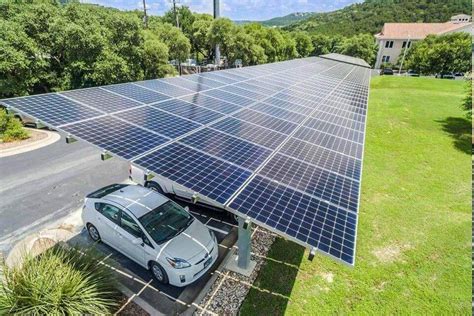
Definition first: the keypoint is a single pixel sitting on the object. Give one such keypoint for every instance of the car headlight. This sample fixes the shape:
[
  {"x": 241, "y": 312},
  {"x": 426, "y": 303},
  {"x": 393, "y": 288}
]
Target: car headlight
[{"x": 178, "y": 263}]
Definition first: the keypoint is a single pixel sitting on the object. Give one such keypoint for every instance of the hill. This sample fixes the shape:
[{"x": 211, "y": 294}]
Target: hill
[
  {"x": 369, "y": 16},
  {"x": 281, "y": 20}
]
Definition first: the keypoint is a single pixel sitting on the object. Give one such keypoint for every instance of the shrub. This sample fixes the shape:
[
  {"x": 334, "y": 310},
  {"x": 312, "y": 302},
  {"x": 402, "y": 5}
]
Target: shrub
[
  {"x": 11, "y": 128},
  {"x": 58, "y": 282}
]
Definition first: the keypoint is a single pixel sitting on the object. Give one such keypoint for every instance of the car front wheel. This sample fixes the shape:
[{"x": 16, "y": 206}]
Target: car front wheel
[
  {"x": 159, "y": 273},
  {"x": 93, "y": 232}
]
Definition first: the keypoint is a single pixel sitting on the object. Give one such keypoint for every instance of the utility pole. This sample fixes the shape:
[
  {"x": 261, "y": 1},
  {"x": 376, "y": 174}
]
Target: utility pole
[
  {"x": 217, "y": 51},
  {"x": 175, "y": 14},
  {"x": 404, "y": 53},
  {"x": 177, "y": 25},
  {"x": 145, "y": 17}
]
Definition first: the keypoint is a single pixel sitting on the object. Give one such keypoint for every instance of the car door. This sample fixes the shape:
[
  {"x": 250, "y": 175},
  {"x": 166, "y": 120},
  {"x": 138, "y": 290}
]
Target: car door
[
  {"x": 107, "y": 222},
  {"x": 128, "y": 232}
]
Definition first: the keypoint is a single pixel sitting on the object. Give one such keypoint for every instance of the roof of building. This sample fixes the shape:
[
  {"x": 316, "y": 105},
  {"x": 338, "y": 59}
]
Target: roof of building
[{"x": 417, "y": 30}]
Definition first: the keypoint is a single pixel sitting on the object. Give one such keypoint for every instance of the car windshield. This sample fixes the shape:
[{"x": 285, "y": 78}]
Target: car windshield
[{"x": 166, "y": 221}]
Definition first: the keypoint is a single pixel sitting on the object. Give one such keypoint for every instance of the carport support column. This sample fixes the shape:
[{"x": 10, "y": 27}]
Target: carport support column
[
  {"x": 244, "y": 243},
  {"x": 240, "y": 262}
]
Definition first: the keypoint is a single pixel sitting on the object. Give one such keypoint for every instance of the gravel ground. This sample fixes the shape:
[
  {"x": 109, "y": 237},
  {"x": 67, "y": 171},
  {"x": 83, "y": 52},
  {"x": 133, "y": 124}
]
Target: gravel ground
[{"x": 230, "y": 289}]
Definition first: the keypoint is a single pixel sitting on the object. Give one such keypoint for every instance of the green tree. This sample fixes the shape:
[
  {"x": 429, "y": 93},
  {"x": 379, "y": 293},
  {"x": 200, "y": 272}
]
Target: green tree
[
  {"x": 304, "y": 45},
  {"x": 362, "y": 46},
  {"x": 222, "y": 32},
  {"x": 178, "y": 44},
  {"x": 155, "y": 57},
  {"x": 21, "y": 60},
  {"x": 199, "y": 41},
  {"x": 436, "y": 54},
  {"x": 246, "y": 49},
  {"x": 186, "y": 19}
]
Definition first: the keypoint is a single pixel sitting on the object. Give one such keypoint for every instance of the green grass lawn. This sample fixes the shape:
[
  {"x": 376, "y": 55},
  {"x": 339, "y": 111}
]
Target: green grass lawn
[{"x": 414, "y": 235}]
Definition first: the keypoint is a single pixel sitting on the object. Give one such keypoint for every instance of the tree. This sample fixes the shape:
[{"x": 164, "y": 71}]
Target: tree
[
  {"x": 245, "y": 48},
  {"x": 437, "y": 54},
  {"x": 221, "y": 33},
  {"x": 186, "y": 19},
  {"x": 324, "y": 44},
  {"x": 21, "y": 60},
  {"x": 361, "y": 46},
  {"x": 155, "y": 57},
  {"x": 178, "y": 44},
  {"x": 199, "y": 41},
  {"x": 304, "y": 45}
]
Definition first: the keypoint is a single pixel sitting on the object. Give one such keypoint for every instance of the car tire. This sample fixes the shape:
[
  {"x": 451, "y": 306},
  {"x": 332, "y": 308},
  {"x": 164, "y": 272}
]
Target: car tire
[
  {"x": 158, "y": 273},
  {"x": 93, "y": 232},
  {"x": 155, "y": 187}
]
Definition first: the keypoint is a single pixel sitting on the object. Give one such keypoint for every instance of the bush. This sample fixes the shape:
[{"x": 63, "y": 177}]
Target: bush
[
  {"x": 58, "y": 282},
  {"x": 11, "y": 128}
]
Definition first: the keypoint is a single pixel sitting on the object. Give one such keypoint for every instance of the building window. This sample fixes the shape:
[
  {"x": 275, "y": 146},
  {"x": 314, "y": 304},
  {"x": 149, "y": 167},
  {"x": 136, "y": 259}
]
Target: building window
[
  {"x": 385, "y": 59},
  {"x": 406, "y": 44},
  {"x": 388, "y": 44}
]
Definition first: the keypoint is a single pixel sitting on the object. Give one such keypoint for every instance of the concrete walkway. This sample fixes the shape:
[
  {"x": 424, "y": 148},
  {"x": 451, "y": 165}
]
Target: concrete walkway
[{"x": 25, "y": 146}]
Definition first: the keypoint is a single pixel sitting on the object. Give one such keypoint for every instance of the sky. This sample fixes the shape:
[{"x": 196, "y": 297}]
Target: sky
[{"x": 234, "y": 9}]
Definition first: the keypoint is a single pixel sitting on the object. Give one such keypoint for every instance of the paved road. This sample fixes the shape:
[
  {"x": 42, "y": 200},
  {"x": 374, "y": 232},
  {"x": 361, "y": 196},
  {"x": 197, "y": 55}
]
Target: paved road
[{"x": 48, "y": 183}]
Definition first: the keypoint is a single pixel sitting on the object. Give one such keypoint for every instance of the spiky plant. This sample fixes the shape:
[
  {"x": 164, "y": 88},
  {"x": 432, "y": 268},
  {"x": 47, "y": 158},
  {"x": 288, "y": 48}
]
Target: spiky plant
[{"x": 61, "y": 281}]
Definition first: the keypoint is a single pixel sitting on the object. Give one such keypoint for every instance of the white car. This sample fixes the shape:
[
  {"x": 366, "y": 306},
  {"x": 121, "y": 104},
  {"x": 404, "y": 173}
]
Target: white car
[{"x": 152, "y": 230}]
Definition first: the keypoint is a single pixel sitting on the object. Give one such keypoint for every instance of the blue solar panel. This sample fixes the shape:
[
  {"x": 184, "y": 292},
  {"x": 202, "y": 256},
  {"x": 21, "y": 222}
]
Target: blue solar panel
[
  {"x": 244, "y": 93},
  {"x": 316, "y": 181},
  {"x": 101, "y": 99},
  {"x": 232, "y": 149},
  {"x": 189, "y": 111},
  {"x": 164, "y": 87},
  {"x": 52, "y": 109},
  {"x": 190, "y": 85},
  {"x": 267, "y": 121},
  {"x": 137, "y": 93},
  {"x": 210, "y": 176},
  {"x": 118, "y": 137},
  {"x": 250, "y": 132},
  {"x": 320, "y": 156},
  {"x": 278, "y": 112},
  {"x": 329, "y": 141},
  {"x": 229, "y": 97},
  {"x": 211, "y": 103},
  {"x": 202, "y": 80},
  {"x": 158, "y": 121},
  {"x": 300, "y": 216}
]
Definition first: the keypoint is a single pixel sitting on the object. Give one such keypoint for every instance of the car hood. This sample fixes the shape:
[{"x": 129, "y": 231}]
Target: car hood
[{"x": 190, "y": 243}]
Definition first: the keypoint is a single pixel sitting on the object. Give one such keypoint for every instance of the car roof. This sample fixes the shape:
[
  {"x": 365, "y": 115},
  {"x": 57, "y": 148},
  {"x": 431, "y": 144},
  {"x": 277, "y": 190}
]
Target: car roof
[{"x": 137, "y": 199}]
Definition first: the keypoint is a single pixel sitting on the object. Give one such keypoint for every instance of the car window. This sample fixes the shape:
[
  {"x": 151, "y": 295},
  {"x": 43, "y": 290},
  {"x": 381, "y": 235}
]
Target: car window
[
  {"x": 109, "y": 211},
  {"x": 127, "y": 223}
]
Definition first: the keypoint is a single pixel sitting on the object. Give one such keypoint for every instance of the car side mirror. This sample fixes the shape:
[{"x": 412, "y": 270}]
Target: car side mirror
[{"x": 137, "y": 241}]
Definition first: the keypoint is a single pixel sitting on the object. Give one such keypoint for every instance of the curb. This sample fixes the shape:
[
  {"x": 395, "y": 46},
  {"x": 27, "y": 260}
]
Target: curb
[{"x": 51, "y": 138}]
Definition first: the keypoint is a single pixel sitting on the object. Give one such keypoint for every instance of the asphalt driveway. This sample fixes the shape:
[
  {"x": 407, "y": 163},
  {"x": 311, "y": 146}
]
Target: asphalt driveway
[{"x": 48, "y": 183}]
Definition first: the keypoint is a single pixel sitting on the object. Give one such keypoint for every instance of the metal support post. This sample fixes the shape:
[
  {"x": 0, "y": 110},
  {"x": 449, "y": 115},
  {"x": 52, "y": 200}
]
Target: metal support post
[
  {"x": 241, "y": 262},
  {"x": 244, "y": 242}
]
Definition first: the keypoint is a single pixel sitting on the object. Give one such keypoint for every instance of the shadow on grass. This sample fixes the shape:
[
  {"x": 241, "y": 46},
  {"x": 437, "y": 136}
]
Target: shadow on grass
[
  {"x": 459, "y": 129},
  {"x": 276, "y": 277}
]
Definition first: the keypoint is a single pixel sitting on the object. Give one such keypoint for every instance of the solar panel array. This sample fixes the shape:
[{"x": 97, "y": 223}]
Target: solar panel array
[{"x": 279, "y": 143}]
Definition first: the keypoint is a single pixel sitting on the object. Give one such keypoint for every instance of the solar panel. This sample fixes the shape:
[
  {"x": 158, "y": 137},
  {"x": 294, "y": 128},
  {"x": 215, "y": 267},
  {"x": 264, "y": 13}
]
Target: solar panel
[
  {"x": 101, "y": 99},
  {"x": 281, "y": 143},
  {"x": 135, "y": 92},
  {"x": 52, "y": 108}
]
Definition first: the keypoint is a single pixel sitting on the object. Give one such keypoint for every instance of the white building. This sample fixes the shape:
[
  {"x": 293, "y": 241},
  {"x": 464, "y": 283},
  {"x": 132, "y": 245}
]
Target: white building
[{"x": 395, "y": 38}]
